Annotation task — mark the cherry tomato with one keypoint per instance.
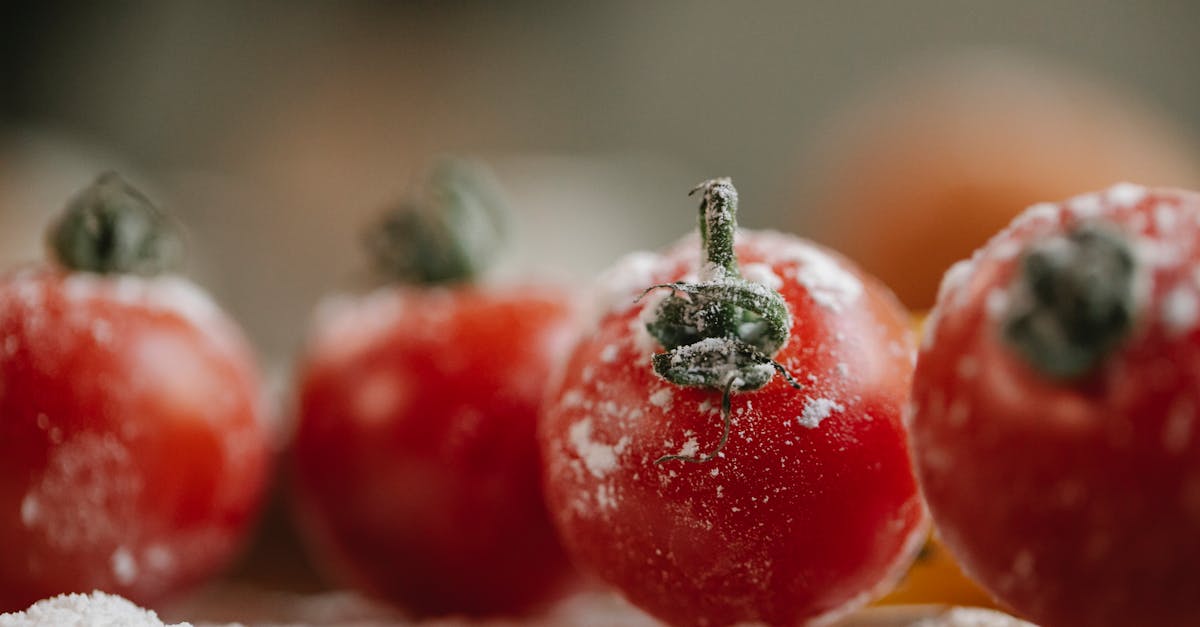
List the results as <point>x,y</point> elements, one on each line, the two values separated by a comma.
<point>133,452</point>
<point>1054,407</point>
<point>416,469</point>
<point>806,508</point>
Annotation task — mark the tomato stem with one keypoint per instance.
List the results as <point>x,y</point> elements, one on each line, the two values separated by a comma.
<point>718,223</point>
<point>1072,303</point>
<point>721,332</point>
<point>110,227</point>
<point>447,234</point>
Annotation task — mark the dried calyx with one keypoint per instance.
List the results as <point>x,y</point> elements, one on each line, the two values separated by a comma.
<point>448,233</point>
<point>1072,301</point>
<point>721,332</point>
<point>111,228</point>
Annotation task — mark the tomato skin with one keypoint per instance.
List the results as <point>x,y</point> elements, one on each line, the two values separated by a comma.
<point>133,451</point>
<point>416,468</point>
<point>1073,503</point>
<point>789,523</point>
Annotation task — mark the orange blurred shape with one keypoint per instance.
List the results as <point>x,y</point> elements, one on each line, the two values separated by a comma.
<point>943,155</point>
<point>936,578</point>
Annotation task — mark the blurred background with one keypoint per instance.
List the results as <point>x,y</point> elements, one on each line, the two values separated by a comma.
<point>900,133</point>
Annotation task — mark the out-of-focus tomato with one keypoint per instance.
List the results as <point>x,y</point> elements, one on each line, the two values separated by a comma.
<point>416,469</point>
<point>132,448</point>
<point>1054,411</point>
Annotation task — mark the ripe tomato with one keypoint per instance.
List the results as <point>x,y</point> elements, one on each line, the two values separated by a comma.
<point>416,468</point>
<point>808,508</point>
<point>1054,408</point>
<point>132,447</point>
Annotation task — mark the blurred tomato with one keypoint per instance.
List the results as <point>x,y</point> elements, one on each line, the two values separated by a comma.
<point>942,156</point>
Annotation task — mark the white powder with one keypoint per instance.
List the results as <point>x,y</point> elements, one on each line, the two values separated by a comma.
<point>618,288</point>
<point>344,325</point>
<point>828,283</point>
<point>102,332</point>
<point>689,448</point>
<point>605,497</point>
<point>971,617</point>
<point>1086,206</point>
<point>97,609</point>
<point>1180,310</point>
<point>1005,249</point>
<point>762,274</point>
<point>817,410</point>
<point>1165,219</point>
<point>1040,212</point>
<point>608,354</point>
<point>166,293</point>
<point>159,557</point>
<point>30,510</point>
<point>662,397</point>
<point>1126,194</point>
<point>954,278</point>
<point>87,496</point>
<point>124,568</point>
<point>600,459</point>
<point>952,282</point>
<point>996,304</point>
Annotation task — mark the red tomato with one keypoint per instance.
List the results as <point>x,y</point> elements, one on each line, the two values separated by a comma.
<point>132,448</point>
<point>808,510</point>
<point>132,451</point>
<point>1054,411</point>
<point>416,465</point>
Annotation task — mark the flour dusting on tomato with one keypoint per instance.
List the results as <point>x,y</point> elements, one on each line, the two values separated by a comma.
<point>166,293</point>
<point>953,282</point>
<point>663,397</point>
<point>762,274</point>
<point>599,459</point>
<point>618,288</point>
<point>816,410</point>
<point>1087,206</point>
<point>1180,310</point>
<point>124,566</point>
<point>344,324</point>
<point>826,279</point>
<point>1126,194</point>
<point>87,496</point>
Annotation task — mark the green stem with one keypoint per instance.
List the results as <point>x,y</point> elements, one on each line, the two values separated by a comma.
<point>448,234</point>
<point>718,223</point>
<point>110,228</point>
<point>1073,301</point>
<point>721,332</point>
